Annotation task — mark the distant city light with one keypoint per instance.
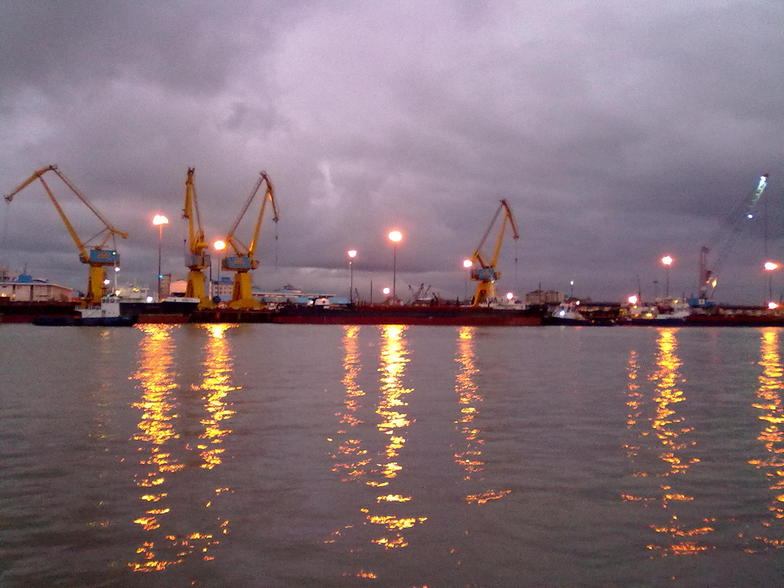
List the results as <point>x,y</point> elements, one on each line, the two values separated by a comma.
<point>771,266</point>
<point>149,299</point>
<point>773,305</point>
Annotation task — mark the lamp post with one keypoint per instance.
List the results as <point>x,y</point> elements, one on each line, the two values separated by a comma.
<point>394,236</point>
<point>467,264</point>
<point>352,253</point>
<point>159,220</point>
<point>667,262</point>
<point>218,245</point>
<point>770,267</point>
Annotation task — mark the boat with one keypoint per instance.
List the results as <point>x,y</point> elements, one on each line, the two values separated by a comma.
<point>566,314</point>
<point>105,315</point>
<point>664,312</point>
<point>136,302</point>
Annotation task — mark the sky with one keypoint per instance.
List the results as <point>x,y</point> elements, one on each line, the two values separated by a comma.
<point>617,131</point>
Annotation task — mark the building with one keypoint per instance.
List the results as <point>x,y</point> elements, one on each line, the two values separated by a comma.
<point>25,288</point>
<point>544,297</point>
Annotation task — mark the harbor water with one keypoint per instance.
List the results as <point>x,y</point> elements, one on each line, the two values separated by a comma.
<point>301,455</point>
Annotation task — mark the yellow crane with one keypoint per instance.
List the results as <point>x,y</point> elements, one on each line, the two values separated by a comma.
<point>484,271</point>
<point>97,256</point>
<point>244,258</point>
<point>197,258</point>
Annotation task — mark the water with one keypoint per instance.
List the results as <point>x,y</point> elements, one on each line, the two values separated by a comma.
<point>276,455</point>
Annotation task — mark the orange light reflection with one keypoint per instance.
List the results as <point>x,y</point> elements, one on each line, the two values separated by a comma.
<point>771,413</point>
<point>664,433</point>
<point>469,399</point>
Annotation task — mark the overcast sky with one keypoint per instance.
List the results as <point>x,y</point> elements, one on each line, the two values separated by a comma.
<point>618,132</point>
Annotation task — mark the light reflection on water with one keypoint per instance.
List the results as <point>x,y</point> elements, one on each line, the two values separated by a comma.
<point>469,399</point>
<point>771,413</point>
<point>666,434</point>
<point>164,543</point>
<point>455,456</point>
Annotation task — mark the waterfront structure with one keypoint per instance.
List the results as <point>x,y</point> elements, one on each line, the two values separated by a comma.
<point>25,288</point>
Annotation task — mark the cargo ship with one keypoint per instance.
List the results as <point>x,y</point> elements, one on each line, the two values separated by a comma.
<point>406,315</point>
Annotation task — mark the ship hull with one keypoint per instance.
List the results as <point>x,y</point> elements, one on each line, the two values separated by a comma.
<point>407,315</point>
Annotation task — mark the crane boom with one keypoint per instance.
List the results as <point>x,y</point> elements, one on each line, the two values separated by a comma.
<point>96,255</point>
<point>709,277</point>
<point>197,259</point>
<point>244,258</point>
<point>486,274</point>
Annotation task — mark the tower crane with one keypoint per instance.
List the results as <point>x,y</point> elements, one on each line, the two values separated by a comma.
<point>96,255</point>
<point>244,258</point>
<point>744,210</point>
<point>486,274</point>
<point>197,258</point>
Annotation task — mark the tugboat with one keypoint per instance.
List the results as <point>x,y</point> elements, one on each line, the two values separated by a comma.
<point>106,315</point>
<point>663,312</point>
<point>566,313</point>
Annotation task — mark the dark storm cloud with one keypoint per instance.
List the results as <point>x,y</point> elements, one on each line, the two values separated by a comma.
<point>617,131</point>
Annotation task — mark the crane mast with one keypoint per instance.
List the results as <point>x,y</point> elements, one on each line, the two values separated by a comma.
<point>197,258</point>
<point>244,258</point>
<point>486,273</point>
<point>96,256</point>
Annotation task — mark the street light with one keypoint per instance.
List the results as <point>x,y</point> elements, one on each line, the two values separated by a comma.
<point>218,245</point>
<point>352,253</point>
<point>770,267</point>
<point>467,264</point>
<point>667,262</point>
<point>394,236</point>
<point>159,220</point>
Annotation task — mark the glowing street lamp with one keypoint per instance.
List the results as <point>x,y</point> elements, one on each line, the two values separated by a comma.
<point>467,264</point>
<point>218,245</point>
<point>385,291</point>
<point>396,237</point>
<point>770,267</point>
<point>352,253</point>
<point>667,262</point>
<point>159,220</point>
<point>633,300</point>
